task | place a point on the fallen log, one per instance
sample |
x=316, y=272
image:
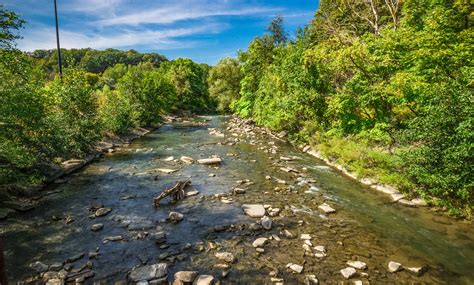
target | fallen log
x=176, y=192
x=212, y=160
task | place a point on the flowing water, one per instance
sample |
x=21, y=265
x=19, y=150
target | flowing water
x=366, y=226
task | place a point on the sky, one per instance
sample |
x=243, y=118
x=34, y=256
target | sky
x=204, y=31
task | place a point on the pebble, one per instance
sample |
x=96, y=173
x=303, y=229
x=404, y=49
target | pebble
x=357, y=264
x=239, y=191
x=225, y=256
x=175, y=217
x=394, y=266
x=260, y=250
x=192, y=193
x=295, y=267
x=260, y=242
x=305, y=237
x=348, y=272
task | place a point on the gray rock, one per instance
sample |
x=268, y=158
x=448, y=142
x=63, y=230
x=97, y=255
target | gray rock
x=56, y=266
x=39, y=266
x=75, y=258
x=357, y=264
x=394, y=266
x=175, y=217
x=140, y=225
x=192, y=193
x=260, y=242
x=102, y=211
x=239, y=191
x=254, y=210
x=225, y=256
x=348, y=272
x=266, y=223
x=295, y=267
x=97, y=227
x=186, y=276
x=160, y=237
x=204, y=280
x=148, y=272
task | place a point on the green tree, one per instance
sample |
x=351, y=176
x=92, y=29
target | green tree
x=224, y=83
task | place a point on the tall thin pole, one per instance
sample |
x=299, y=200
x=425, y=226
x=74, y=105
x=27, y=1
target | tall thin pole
x=60, y=65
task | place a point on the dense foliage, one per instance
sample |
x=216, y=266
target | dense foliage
x=383, y=87
x=45, y=119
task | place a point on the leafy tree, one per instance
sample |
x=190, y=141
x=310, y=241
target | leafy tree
x=224, y=83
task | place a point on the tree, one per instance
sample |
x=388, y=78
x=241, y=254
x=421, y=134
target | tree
x=277, y=31
x=9, y=24
x=224, y=83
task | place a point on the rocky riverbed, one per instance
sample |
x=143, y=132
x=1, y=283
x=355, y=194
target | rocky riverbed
x=257, y=211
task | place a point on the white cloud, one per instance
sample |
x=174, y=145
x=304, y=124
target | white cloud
x=45, y=38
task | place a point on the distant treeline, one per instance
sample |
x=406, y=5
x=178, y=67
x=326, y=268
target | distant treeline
x=384, y=88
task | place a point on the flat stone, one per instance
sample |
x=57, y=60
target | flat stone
x=102, y=211
x=97, y=227
x=419, y=202
x=348, y=272
x=326, y=208
x=148, y=272
x=357, y=264
x=175, y=217
x=192, y=193
x=39, y=266
x=169, y=158
x=320, y=248
x=260, y=242
x=167, y=170
x=113, y=238
x=225, y=256
x=305, y=237
x=394, y=266
x=187, y=159
x=239, y=191
x=397, y=196
x=204, y=280
x=56, y=266
x=295, y=267
x=266, y=223
x=186, y=276
x=254, y=210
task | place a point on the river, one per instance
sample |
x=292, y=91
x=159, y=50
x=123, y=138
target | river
x=366, y=225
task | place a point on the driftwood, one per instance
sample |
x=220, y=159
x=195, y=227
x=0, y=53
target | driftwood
x=208, y=161
x=176, y=192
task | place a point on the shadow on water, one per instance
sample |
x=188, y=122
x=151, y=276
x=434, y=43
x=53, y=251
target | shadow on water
x=366, y=226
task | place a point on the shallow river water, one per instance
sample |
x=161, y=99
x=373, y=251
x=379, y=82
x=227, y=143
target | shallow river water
x=365, y=227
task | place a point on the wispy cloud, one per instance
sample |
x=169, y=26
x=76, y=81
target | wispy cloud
x=168, y=15
x=44, y=38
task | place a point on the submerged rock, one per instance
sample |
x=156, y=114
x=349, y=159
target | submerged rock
x=148, y=272
x=39, y=266
x=348, y=272
x=394, y=266
x=97, y=227
x=266, y=223
x=102, y=212
x=175, y=217
x=254, y=210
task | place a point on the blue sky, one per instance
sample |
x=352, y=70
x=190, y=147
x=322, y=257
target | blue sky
x=202, y=30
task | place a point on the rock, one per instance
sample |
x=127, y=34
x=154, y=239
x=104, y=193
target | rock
x=160, y=237
x=175, y=217
x=167, y=170
x=148, y=272
x=74, y=258
x=97, y=227
x=187, y=159
x=418, y=271
x=287, y=234
x=326, y=208
x=308, y=242
x=239, y=191
x=225, y=256
x=348, y=272
x=185, y=276
x=320, y=248
x=140, y=225
x=112, y=238
x=394, y=266
x=358, y=282
x=284, y=158
x=311, y=279
x=39, y=266
x=56, y=266
x=305, y=237
x=102, y=211
x=266, y=223
x=260, y=242
x=55, y=281
x=192, y=193
x=4, y=212
x=169, y=158
x=397, y=196
x=209, y=161
x=295, y=267
x=254, y=210
x=204, y=280
x=357, y=264
x=268, y=177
